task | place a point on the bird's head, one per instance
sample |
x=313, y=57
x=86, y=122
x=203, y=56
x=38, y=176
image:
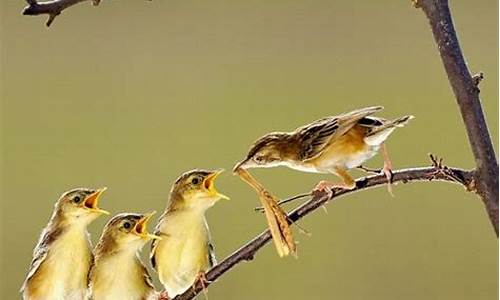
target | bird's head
x=127, y=231
x=196, y=189
x=80, y=205
x=267, y=152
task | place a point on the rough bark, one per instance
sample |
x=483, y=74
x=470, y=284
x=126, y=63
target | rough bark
x=466, y=91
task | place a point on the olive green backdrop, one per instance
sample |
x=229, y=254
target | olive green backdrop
x=130, y=94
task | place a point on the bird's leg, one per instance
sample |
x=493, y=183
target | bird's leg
x=387, y=169
x=328, y=186
x=202, y=278
x=163, y=296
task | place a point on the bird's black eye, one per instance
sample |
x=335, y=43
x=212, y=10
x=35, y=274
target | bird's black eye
x=259, y=159
x=127, y=225
x=195, y=180
x=77, y=199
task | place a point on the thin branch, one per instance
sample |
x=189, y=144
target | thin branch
x=247, y=252
x=52, y=8
x=291, y=199
x=467, y=94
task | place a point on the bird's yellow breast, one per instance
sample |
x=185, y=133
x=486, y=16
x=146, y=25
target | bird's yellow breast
x=63, y=273
x=119, y=276
x=183, y=250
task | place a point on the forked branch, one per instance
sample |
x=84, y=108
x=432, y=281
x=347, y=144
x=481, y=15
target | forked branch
x=247, y=252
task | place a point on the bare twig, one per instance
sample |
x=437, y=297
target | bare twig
x=52, y=8
x=291, y=199
x=247, y=252
x=467, y=94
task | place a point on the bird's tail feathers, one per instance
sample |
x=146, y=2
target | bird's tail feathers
x=400, y=122
x=379, y=134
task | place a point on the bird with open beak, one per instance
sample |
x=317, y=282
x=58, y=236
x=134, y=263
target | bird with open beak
x=329, y=145
x=118, y=272
x=62, y=257
x=185, y=252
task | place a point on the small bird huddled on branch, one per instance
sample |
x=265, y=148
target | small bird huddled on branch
x=185, y=251
x=118, y=272
x=329, y=145
x=63, y=255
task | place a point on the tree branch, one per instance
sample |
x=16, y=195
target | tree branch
x=52, y=8
x=467, y=94
x=247, y=252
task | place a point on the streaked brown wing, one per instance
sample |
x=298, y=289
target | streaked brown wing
x=37, y=261
x=154, y=244
x=147, y=278
x=212, y=261
x=315, y=137
x=41, y=251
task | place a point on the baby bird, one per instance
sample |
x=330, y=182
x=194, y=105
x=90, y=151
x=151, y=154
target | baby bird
x=62, y=257
x=185, y=251
x=329, y=145
x=117, y=272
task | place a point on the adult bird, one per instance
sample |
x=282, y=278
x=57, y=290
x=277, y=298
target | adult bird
x=330, y=145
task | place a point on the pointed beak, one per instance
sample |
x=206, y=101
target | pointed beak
x=141, y=227
x=92, y=200
x=240, y=165
x=209, y=185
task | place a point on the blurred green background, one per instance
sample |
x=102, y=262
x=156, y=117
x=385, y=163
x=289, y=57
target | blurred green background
x=130, y=94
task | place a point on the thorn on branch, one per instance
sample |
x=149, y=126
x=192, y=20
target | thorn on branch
x=436, y=162
x=443, y=171
x=478, y=78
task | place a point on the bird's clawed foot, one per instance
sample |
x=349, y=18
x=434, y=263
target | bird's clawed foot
x=327, y=187
x=163, y=296
x=202, y=278
x=387, y=171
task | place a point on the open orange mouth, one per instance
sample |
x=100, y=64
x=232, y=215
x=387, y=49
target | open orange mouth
x=93, y=199
x=141, y=227
x=209, y=184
